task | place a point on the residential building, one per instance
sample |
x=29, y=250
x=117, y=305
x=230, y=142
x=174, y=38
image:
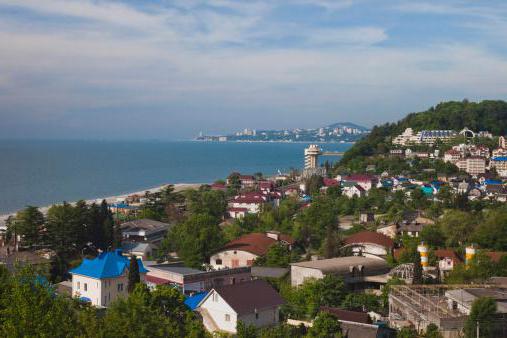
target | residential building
x=369, y=244
x=351, y=190
x=244, y=250
x=365, y=181
x=144, y=230
x=141, y=250
x=423, y=137
x=190, y=280
x=357, y=272
x=103, y=279
x=500, y=164
x=452, y=156
x=473, y=165
x=253, y=303
x=251, y=201
x=447, y=260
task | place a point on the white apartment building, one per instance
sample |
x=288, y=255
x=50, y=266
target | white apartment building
x=102, y=280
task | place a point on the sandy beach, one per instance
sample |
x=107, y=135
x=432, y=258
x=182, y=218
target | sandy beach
x=112, y=199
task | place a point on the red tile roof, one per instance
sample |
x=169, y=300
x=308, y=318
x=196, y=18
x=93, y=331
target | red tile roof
x=496, y=255
x=248, y=200
x=346, y=315
x=370, y=237
x=256, y=243
x=248, y=297
x=448, y=253
x=330, y=182
x=359, y=178
x=156, y=280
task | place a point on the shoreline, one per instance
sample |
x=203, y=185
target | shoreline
x=273, y=141
x=111, y=199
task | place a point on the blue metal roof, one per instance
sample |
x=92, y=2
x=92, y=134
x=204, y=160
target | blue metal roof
x=193, y=301
x=490, y=181
x=106, y=265
x=499, y=158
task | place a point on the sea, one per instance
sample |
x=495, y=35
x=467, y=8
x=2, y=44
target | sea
x=40, y=173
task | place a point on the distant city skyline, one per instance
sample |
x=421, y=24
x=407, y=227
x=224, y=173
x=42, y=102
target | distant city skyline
x=170, y=69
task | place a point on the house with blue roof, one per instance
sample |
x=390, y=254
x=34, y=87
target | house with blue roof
x=103, y=279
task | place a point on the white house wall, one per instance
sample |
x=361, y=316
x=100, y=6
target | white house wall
x=228, y=256
x=266, y=317
x=218, y=310
x=299, y=274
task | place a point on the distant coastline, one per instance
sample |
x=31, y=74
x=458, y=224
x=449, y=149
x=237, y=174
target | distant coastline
x=272, y=141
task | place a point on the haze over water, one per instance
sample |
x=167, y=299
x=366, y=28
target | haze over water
x=45, y=172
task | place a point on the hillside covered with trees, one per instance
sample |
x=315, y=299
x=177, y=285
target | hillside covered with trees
x=485, y=115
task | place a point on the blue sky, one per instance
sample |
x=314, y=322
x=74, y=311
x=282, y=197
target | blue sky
x=169, y=69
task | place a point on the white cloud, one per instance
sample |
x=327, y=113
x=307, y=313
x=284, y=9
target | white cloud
x=177, y=66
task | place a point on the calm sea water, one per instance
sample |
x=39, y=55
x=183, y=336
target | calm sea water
x=45, y=172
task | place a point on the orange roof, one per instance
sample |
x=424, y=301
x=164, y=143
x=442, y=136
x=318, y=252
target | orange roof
x=448, y=253
x=256, y=243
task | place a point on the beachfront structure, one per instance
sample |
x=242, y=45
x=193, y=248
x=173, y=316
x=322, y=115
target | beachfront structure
x=357, y=272
x=190, y=281
x=253, y=303
x=103, y=279
x=245, y=250
x=428, y=137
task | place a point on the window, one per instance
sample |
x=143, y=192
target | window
x=215, y=297
x=256, y=315
x=227, y=317
x=120, y=287
x=78, y=285
x=85, y=287
x=218, y=261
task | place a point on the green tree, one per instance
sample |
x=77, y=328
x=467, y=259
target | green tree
x=432, y=332
x=29, y=224
x=196, y=239
x=457, y=227
x=134, y=277
x=325, y=325
x=407, y=332
x=418, y=273
x=313, y=184
x=491, y=233
x=278, y=255
x=245, y=330
x=136, y=317
x=481, y=314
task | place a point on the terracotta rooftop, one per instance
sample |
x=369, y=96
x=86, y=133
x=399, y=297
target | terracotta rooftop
x=247, y=297
x=256, y=243
x=370, y=237
x=448, y=253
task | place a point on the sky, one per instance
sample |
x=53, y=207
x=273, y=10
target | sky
x=161, y=69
